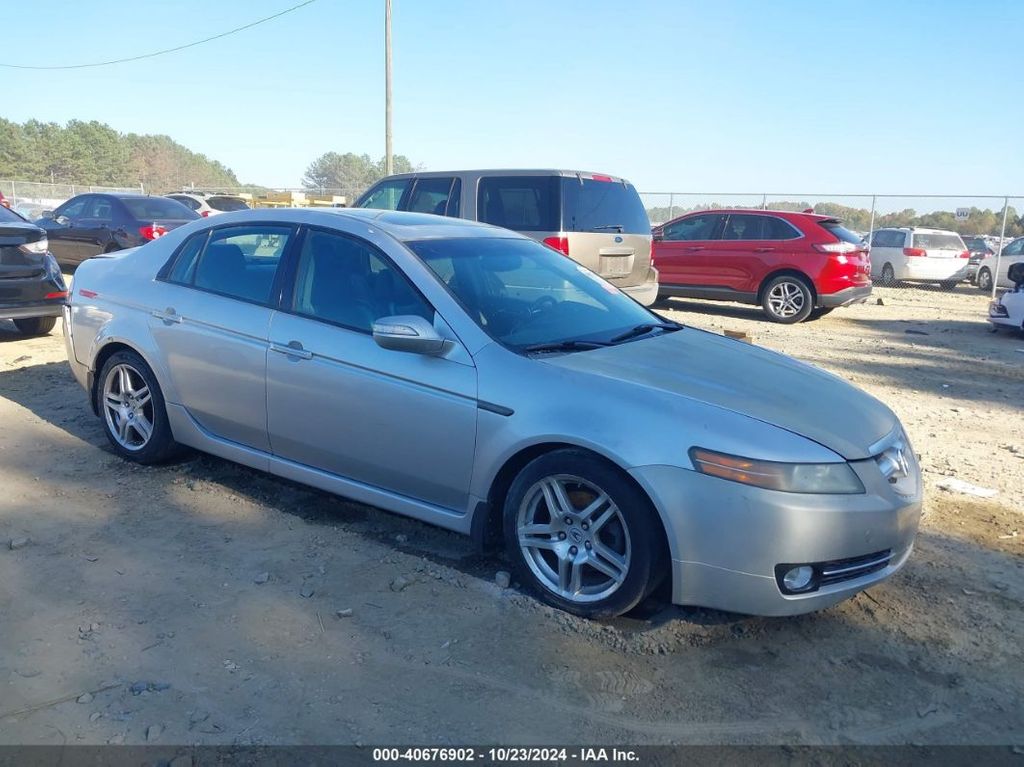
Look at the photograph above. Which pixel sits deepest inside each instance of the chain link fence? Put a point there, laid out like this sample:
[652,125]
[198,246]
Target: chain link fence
[32,198]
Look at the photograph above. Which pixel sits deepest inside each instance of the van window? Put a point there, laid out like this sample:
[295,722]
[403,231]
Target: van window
[938,241]
[602,206]
[386,195]
[430,195]
[522,203]
[888,239]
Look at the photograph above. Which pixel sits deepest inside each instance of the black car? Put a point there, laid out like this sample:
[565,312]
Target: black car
[978,249]
[32,289]
[101,223]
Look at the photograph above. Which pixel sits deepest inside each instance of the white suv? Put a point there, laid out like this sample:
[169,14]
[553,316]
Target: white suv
[918,255]
[209,204]
[1012,254]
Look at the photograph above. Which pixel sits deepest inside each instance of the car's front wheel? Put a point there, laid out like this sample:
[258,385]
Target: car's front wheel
[582,535]
[787,299]
[132,407]
[35,326]
[984,281]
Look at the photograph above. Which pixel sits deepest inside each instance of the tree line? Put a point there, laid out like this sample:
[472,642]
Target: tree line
[980,221]
[93,153]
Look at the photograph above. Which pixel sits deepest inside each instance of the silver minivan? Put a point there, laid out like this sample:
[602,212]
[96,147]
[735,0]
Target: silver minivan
[595,219]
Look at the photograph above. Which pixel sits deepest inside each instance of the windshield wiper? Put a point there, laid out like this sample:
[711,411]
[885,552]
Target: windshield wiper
[565,346]
[616,227]
[644,329]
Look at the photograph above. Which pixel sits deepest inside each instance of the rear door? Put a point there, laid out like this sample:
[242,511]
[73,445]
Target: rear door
[93,231]
[943,255]
[752,245]
[682,251]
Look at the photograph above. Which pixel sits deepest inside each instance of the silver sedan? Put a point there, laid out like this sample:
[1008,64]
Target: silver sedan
[472,378]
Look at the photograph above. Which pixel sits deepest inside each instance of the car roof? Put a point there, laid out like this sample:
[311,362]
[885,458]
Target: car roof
[509,172]
[768,212]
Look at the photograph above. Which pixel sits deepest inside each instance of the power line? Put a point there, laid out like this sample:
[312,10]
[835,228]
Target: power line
[166,50]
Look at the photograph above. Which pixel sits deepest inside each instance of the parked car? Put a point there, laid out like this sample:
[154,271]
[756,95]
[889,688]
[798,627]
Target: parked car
[1012,254]
[209,204]
[1008,309]
[32,289]
[978,247]
[794,265]
[595,219]
[468,376]
[89,224]
[916,254]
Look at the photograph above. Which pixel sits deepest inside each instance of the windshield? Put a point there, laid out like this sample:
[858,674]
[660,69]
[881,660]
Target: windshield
[524,294]
[840,231]
[149,208]
[938,242]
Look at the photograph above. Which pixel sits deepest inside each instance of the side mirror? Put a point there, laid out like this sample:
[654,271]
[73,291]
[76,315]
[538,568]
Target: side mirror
[407,333]
[46,214]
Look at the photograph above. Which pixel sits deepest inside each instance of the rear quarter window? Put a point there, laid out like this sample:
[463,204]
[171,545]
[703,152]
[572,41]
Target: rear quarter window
[521,203]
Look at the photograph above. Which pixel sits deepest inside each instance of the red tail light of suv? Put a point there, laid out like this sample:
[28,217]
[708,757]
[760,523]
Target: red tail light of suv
[795,265]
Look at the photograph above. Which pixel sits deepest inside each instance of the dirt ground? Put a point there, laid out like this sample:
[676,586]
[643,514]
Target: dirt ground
[136,612]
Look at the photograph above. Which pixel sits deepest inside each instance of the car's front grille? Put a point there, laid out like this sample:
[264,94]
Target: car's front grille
[847,569]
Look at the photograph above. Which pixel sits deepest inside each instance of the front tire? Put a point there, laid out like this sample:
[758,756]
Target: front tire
[984,280]
[582,536]
[35,326]
[787,299]
[132,408]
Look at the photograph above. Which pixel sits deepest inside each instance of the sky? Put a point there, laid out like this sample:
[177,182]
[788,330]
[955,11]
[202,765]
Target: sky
[859,97]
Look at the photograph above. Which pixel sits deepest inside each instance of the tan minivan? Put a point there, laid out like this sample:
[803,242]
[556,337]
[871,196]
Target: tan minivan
[595,219]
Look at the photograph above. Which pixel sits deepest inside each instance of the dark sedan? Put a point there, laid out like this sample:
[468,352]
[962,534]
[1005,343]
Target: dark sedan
[90,224]
[32,289]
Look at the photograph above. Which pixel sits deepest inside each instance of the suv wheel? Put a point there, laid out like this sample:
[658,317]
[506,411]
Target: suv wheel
[132,408]
[582,535]
[787,299]
[35,326]
[984,280]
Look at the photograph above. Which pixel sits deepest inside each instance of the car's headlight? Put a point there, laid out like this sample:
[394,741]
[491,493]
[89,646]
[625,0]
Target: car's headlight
[39,246]
[824,478]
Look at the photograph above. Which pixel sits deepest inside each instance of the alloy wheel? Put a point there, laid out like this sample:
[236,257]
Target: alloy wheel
[786,299]
[985,280]
[574,538]
[128,407]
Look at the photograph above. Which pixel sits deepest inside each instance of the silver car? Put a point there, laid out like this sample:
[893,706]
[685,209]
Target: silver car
[470,377]
[596,219]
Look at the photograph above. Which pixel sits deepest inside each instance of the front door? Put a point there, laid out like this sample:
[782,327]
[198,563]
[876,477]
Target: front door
[683,252]
[338,402]
[62,230]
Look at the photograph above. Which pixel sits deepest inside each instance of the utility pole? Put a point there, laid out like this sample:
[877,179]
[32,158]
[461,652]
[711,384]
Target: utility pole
[389,162]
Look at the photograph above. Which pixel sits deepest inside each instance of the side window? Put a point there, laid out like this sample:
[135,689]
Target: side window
[522,203]
[743,227]
[693,228]
[455,200]
[345,281]
[386,195]
[430,195]
[100,209]
[241,261]
[185,263]
[73,210]
[778,229]
[1015,248]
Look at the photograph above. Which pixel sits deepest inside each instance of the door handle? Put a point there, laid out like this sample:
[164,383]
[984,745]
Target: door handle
[292,349]
[763,250]
[695,247]
[168,316]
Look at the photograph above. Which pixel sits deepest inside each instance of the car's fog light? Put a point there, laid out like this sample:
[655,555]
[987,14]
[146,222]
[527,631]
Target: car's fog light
[798,578]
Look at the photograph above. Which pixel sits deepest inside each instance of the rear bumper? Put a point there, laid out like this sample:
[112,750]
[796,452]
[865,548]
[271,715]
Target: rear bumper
[845,297]
[29,310]
[645,294]
[726,539]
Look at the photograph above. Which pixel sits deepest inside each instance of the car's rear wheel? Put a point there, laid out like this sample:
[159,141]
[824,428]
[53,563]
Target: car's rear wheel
[984,281]
[133,411]
[584,537]
[888,276]
[787,299]
[35,326]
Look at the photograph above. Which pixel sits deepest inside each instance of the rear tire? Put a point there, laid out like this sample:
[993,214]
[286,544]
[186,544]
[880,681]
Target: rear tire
[131,406]
[35,326]
[888,276]
[582,536]
[984,281]
[787,299]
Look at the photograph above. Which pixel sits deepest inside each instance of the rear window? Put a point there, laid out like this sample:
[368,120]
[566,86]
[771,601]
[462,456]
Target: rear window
[602,206]
[840,231]
[522,203]
[155,208]
[938,242]
[226,204]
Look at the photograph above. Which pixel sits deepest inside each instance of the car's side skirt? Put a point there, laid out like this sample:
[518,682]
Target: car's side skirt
[711,292]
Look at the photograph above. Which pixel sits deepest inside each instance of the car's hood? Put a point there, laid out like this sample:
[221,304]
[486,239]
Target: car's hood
[746,379]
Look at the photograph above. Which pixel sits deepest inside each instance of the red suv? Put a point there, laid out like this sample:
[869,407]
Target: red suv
[795,265]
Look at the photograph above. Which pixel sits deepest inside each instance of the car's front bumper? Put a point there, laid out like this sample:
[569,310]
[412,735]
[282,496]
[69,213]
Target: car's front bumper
[726,538]
[854,295]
